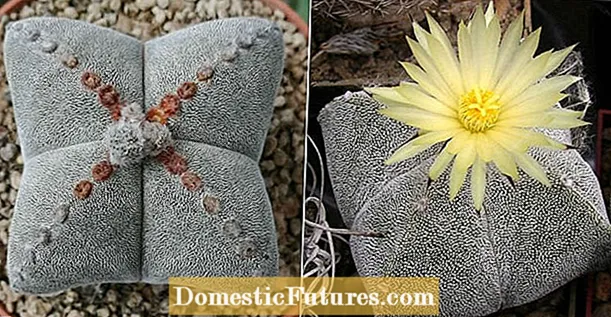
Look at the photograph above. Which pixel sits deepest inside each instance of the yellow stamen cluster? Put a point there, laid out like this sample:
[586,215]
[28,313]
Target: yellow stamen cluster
[479,110]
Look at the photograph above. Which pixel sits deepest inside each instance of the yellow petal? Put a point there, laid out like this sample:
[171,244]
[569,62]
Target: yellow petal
[428,64]
[556,59]
[414,95]
[520,59]
[489,56]
[490,12]
[539,103]
[478,42]
[533,138]
[504,162]
[386,92]
[507,141]
[458,142]
[508,48]
[466,57]
[532,168]
[439,33]
[478,183]
[532,72]
[485,36]
[547,87]
[464,159]
[441,162]
[434,137]
[564,119]
[404,152]
[388,96]
[450,68]
[419,144]
[447,64]
[484,147]
[525,121]
[421,36]
[421,119]
[409,96]
[429,85]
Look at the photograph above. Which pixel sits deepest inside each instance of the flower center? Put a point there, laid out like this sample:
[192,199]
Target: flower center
[478,110]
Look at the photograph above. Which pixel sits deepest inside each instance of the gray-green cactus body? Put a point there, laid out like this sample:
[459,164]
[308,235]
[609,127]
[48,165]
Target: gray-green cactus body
[528,241]
[141,223]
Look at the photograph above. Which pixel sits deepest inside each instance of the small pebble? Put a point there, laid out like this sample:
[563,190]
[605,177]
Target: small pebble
[170,104]
[26,12]
[163,3]
[8,152]
[604,310]
[75,313]
[125,17]
[15,179]
[103,312]
[567,181]
[115,5]
[134,300]
[159,15]
[71,13]
[145,4]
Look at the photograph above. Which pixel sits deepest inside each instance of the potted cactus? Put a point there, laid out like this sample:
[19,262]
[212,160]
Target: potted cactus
[413,163]
[294,48]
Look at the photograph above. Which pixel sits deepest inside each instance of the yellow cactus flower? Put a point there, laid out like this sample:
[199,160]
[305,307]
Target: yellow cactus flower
[485,102]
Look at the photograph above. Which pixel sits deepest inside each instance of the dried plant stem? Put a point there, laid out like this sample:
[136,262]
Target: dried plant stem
[528,16]
[343,231]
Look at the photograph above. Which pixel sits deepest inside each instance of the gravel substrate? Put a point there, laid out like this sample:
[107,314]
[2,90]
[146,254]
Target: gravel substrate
[282,162]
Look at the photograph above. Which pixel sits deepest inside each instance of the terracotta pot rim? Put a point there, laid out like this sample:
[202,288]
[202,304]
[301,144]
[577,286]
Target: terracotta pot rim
[291,15]
[3,311]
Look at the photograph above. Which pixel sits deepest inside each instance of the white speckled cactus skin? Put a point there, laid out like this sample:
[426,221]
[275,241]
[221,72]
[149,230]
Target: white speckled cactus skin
[530,239]
[141,224]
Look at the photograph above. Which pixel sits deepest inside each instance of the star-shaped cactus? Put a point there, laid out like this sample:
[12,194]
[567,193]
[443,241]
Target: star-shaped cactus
[116,137]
